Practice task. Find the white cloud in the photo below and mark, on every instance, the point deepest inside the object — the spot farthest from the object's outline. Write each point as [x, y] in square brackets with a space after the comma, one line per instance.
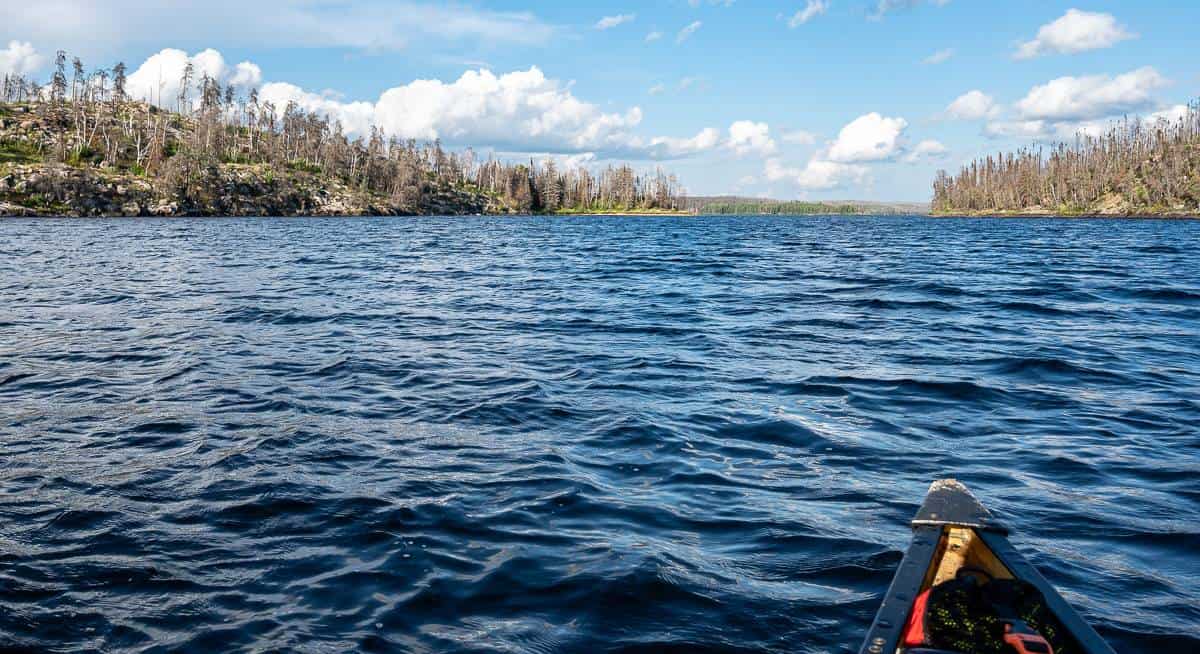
[657, 89]
[1020, 129]
[1076, 31]
[609, 22]
[810, 11]
[817, 175]
[19, 58]
[654, 36]
[364, 24]
[687, 32]
[356, 117]
[674, 148]
[972, 105]
[561, 161]
[522, 111]
[1069, 129]
[159, 78]
[246, 75]
[1170, 115]
[516, 110]
[748, 137]
[1068, 106]
[927, 149]
[939, 57]
[1095, 96]
[871, 137]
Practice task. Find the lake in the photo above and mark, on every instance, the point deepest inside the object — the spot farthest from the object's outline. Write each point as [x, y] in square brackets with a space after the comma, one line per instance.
[581, 434]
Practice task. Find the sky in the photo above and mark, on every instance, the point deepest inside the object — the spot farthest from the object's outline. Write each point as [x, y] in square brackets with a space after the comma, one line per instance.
[788, 99]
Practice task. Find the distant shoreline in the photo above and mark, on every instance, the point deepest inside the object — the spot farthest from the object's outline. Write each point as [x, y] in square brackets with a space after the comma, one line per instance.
[631, 213]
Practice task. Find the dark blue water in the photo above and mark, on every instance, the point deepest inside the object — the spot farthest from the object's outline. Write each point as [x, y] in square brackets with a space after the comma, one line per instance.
[580, 435]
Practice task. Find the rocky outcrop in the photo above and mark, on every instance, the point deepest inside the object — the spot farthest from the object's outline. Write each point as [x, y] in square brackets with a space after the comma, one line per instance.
[226, 190]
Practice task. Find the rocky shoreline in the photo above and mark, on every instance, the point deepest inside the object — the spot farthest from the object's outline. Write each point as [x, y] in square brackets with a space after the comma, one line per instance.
[1039, 212]
[226, 190]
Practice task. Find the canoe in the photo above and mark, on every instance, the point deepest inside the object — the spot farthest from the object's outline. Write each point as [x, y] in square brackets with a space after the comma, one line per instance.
[953, 532]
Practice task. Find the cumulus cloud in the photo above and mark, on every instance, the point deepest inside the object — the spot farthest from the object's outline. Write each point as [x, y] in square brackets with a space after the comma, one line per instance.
[159, 78]
[972, 105]
[356, 117]
[687, 32]
[246, 75]
[522, 111]
[1076, 31]
[818, 175]
[871, 137]
[1172, 114]
[19, 58]
[810, 11]
[609, 22]
[1069, 129]
[654, 36]
[927, 149]
[748, 137]
[674, 148]
[1094, 96]
[518, 110]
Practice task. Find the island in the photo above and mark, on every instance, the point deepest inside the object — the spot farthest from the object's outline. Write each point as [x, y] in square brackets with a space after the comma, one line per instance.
[1137, 168]
[80, 146]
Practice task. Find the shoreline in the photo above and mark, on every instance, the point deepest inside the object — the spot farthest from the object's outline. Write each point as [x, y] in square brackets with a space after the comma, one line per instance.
[648, 212]
[1171, 215]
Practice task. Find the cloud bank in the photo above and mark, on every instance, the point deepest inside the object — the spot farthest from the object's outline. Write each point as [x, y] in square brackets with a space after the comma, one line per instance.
[516, 112]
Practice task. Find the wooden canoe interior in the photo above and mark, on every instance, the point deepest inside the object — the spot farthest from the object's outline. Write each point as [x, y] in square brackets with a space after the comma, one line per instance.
[958, 548]
[952, 531]
[961, 547]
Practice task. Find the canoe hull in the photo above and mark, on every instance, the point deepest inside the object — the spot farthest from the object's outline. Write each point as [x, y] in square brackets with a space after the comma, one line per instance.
[951, 531]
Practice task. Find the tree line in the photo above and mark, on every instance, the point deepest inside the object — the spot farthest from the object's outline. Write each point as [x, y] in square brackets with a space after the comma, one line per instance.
[737, 206]
[95, 122]
[1139, 165]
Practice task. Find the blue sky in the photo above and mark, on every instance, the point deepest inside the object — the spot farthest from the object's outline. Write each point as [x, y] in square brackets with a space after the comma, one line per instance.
[815, 99]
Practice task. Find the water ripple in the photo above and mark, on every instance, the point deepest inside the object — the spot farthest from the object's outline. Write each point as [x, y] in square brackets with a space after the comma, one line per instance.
[561, 435]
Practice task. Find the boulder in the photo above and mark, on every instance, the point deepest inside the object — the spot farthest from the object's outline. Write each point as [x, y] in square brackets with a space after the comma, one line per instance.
[10, 210]
[164, 208]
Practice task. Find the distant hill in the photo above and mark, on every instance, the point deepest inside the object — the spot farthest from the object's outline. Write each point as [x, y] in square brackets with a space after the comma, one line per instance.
[740, 206]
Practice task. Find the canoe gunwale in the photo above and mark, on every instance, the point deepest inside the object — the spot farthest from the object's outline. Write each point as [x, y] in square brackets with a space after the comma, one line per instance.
[950, 505]
[1088, 640]
[888, 627]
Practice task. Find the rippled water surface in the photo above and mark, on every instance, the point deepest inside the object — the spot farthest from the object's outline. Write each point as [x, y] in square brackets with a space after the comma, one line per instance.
[578, 435]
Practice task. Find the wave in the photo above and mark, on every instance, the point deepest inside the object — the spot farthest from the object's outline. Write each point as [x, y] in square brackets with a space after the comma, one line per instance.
[531, 435]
